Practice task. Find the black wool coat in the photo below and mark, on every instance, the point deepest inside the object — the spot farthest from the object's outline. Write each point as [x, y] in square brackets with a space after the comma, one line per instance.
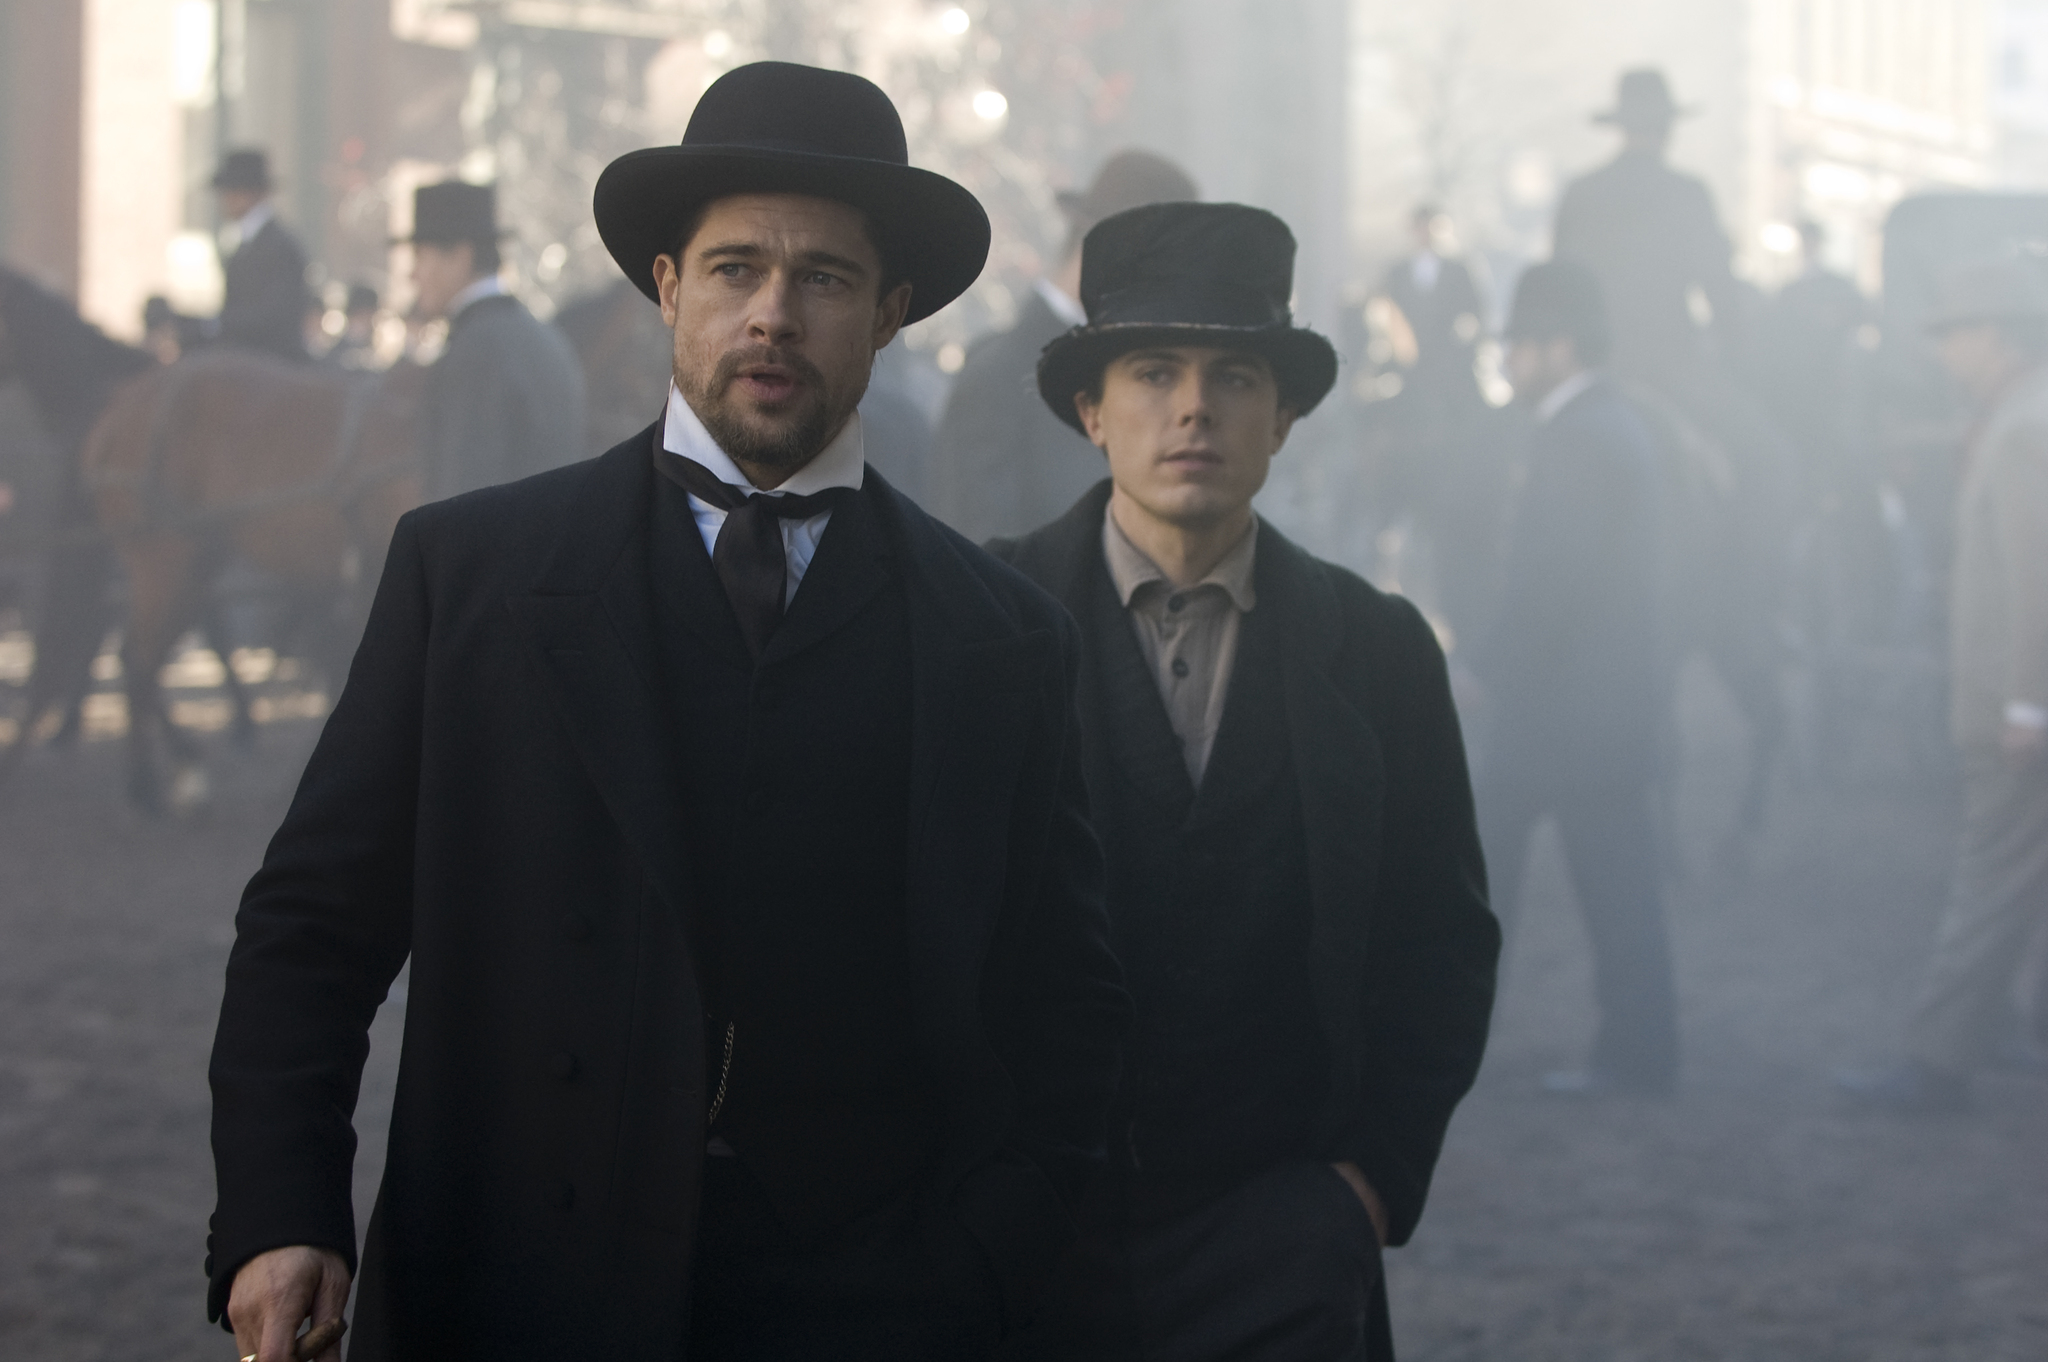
[1574, 659]
[493, 797]
[1402, 943]
[264, 297]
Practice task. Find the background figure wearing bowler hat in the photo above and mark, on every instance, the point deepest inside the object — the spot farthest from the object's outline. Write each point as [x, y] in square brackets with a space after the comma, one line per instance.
[1571, 677]
[1001, 463]
[265, 301]
[1274, 767]
[505, 400]
[1992, 325]
[726, 806]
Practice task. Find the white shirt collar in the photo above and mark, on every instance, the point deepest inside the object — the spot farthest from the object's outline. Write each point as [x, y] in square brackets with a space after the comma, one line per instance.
[1560, 397]
[839, 464]
[252, 222]
[490, 286]
[1424, 270]
[1063, 307]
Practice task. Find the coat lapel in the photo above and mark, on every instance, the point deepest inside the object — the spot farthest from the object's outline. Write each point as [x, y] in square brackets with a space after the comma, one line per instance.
[589, 625]
[977, 691]
[1342, 776]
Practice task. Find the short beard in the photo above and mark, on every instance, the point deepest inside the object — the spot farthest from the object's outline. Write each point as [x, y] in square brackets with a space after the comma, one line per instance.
[813, 421]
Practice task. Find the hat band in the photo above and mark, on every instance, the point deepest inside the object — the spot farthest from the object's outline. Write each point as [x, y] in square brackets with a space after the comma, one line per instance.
[1189, 303]
[793, 148]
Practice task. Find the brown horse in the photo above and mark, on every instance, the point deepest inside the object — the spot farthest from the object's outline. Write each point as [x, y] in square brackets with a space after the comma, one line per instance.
[297, 471]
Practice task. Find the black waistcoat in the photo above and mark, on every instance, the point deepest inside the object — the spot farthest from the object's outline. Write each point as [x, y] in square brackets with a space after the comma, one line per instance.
[796, 776]
[1209, 901]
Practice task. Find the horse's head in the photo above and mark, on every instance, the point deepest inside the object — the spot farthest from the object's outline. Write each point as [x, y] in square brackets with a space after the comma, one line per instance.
[68, 365]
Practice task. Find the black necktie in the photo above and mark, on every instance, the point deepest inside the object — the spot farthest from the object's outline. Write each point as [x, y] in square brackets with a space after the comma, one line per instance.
[748, 557]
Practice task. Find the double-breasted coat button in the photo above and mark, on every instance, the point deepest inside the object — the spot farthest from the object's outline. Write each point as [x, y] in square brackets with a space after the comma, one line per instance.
[576, 926]
[564, 1066]
[562, 1195]
[1180, 667]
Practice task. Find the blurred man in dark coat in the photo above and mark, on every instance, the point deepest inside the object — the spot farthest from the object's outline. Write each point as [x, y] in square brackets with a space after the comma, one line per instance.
[1440, 302]
[265, 302]
[1001, 463]
[1274, 766]
[1652, 238]
[729, 811]
[505, 399]
[1571, 673]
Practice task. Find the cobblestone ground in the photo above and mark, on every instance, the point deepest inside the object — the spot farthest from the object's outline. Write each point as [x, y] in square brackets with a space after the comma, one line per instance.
[1747, 1219]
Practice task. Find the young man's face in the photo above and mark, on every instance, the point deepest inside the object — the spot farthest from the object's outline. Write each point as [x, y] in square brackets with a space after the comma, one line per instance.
[777, 307]
[1190, 431]
[1536, 367]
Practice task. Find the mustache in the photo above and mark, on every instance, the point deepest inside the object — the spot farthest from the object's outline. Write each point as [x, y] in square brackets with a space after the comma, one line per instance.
[733, 361]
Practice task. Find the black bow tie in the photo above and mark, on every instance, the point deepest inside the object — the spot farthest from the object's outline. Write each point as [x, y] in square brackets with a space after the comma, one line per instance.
[748, 557]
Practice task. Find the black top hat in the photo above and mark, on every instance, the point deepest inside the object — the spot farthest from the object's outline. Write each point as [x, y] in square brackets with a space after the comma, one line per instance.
[1127, 180]
[1642, 99]
[775, 127]
[454, 212]
[1211, 274]
[1561, 299]
[245, 168]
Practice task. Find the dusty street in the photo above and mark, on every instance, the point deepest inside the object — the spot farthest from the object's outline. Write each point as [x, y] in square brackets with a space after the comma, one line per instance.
[1747, 1219]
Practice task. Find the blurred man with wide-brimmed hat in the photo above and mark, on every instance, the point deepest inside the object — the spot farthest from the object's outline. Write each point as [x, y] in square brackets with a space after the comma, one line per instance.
[264, 301]
[1991, 328]
[1275, 770]
[1001, 463]
[505, 399]
[761, 1005]
[1651, 235]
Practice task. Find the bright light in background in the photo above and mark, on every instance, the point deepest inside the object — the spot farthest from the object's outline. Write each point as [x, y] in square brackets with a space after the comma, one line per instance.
[955, 21]
[717, 44]
[1779, 238]
[192, 46]
[991, 105]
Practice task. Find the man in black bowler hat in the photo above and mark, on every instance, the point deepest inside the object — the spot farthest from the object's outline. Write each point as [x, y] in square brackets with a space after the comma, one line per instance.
[265, 300]
[505, 399]
[1002, 463]
[729, 809]
[1274, 765]
[1572, 674]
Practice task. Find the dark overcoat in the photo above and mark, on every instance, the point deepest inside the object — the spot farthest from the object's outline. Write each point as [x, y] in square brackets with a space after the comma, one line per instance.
[1001, 463]
[494, 798]
[1651, 235]
[1402, 943]
[504, 401]
[1575, 660]
[264, 299]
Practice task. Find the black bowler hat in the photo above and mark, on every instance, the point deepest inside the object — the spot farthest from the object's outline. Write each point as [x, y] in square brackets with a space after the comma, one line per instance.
[245, 168]
[452, 213]
[1129, 179]
[1562, 300]
[1209, 274]
[776, 127]
[1642, 99]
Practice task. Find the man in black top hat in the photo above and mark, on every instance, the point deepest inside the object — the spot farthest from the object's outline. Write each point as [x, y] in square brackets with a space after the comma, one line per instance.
[1002, 463]
[1274, 766]
[265, 301]
[729, 810]
[1651, 236]
[1572, 673]
[505, 399]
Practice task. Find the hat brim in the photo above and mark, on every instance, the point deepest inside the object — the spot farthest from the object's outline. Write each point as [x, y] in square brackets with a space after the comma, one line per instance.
[937, 231]
[1624, 118]
[1304, 362]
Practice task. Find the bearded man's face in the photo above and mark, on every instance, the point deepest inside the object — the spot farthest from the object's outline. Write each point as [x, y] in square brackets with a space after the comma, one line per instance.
[778, 306]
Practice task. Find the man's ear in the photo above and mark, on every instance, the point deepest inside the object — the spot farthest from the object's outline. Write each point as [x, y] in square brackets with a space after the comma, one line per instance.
[1089, 409]
[1283, 425]
[890, 311]
[668, 280]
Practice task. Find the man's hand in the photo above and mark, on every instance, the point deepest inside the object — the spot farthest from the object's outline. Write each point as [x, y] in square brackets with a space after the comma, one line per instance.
[1349, 1172]
[276, 1292]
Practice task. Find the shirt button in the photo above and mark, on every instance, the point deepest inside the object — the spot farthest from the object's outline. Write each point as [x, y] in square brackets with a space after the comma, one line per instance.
[1180, 667]
[1176, 603]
